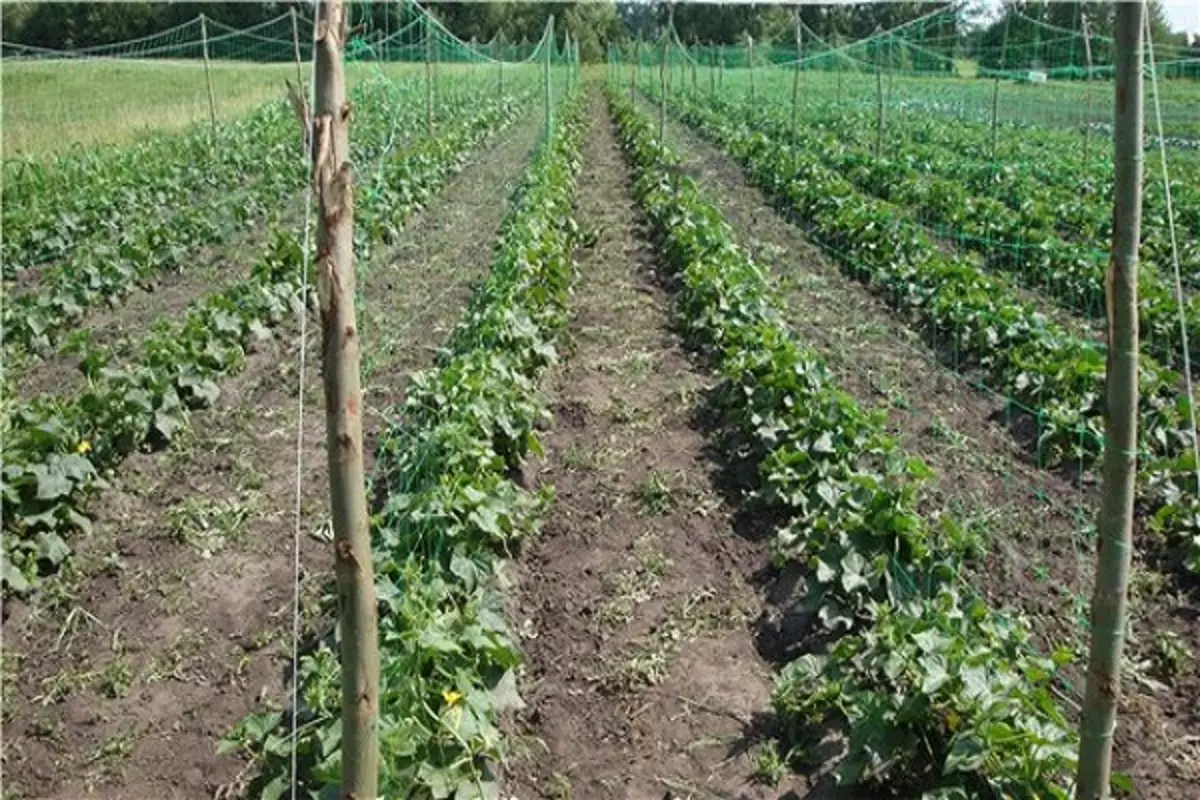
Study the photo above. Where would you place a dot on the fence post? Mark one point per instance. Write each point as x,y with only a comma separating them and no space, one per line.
296,49
212,103
878,104
549,40
333,184
428,78
637,65
1087,119
796,73
1114,522
662,92
750,57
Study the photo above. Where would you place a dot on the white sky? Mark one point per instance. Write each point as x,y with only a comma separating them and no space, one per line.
1182,14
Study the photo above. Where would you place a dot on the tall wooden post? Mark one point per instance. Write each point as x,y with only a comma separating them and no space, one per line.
878,105
995,115
333,184
796,72
750,57
637,65
212,102
1114,524
1087,118
712,70
549,39
428,79
662,92
296,50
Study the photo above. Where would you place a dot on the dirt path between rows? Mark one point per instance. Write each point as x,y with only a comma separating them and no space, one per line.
176,619
1037,524
636,604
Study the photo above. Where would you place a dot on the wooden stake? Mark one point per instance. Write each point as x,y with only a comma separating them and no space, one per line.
1087,119
637,65
428,79
333,184
995,113
712,70
212,102
662,93
1114,524
296,49
751,57
549,39
878,105
796,72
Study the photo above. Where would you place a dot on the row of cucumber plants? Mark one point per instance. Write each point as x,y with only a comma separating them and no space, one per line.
48,228
56,449
451,513
936,693
1025,243
979,322
1048,189
114,191
102,270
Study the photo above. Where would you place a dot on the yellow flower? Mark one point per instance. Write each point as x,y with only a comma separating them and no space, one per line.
953,720
451,697
83,447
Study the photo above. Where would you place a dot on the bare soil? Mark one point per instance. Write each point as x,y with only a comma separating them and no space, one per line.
175,620
636,605
1038,524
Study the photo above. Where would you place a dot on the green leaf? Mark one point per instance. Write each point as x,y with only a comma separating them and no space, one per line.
966,755
51,547
504,694
51,483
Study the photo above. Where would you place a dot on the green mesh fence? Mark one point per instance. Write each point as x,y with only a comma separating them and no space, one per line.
204,70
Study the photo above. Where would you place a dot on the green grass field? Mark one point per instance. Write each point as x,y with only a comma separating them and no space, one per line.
52,107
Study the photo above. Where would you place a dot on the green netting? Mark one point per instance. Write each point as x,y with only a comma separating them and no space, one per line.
1027,70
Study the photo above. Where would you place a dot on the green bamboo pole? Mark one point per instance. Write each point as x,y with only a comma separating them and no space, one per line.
1115,521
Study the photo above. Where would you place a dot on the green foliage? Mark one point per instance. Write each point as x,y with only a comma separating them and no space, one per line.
451,511
974,320
936,693
55,449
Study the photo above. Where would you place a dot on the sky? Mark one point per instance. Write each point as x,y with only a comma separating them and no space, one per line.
1183,14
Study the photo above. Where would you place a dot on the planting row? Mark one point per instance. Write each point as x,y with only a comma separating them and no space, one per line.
1024,242
936,693
978,323
452,511
56,448
102,269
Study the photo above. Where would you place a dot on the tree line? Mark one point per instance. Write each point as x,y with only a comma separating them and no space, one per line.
597,25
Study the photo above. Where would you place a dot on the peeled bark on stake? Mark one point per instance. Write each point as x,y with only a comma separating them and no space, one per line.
212,103
1114,525
333,186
